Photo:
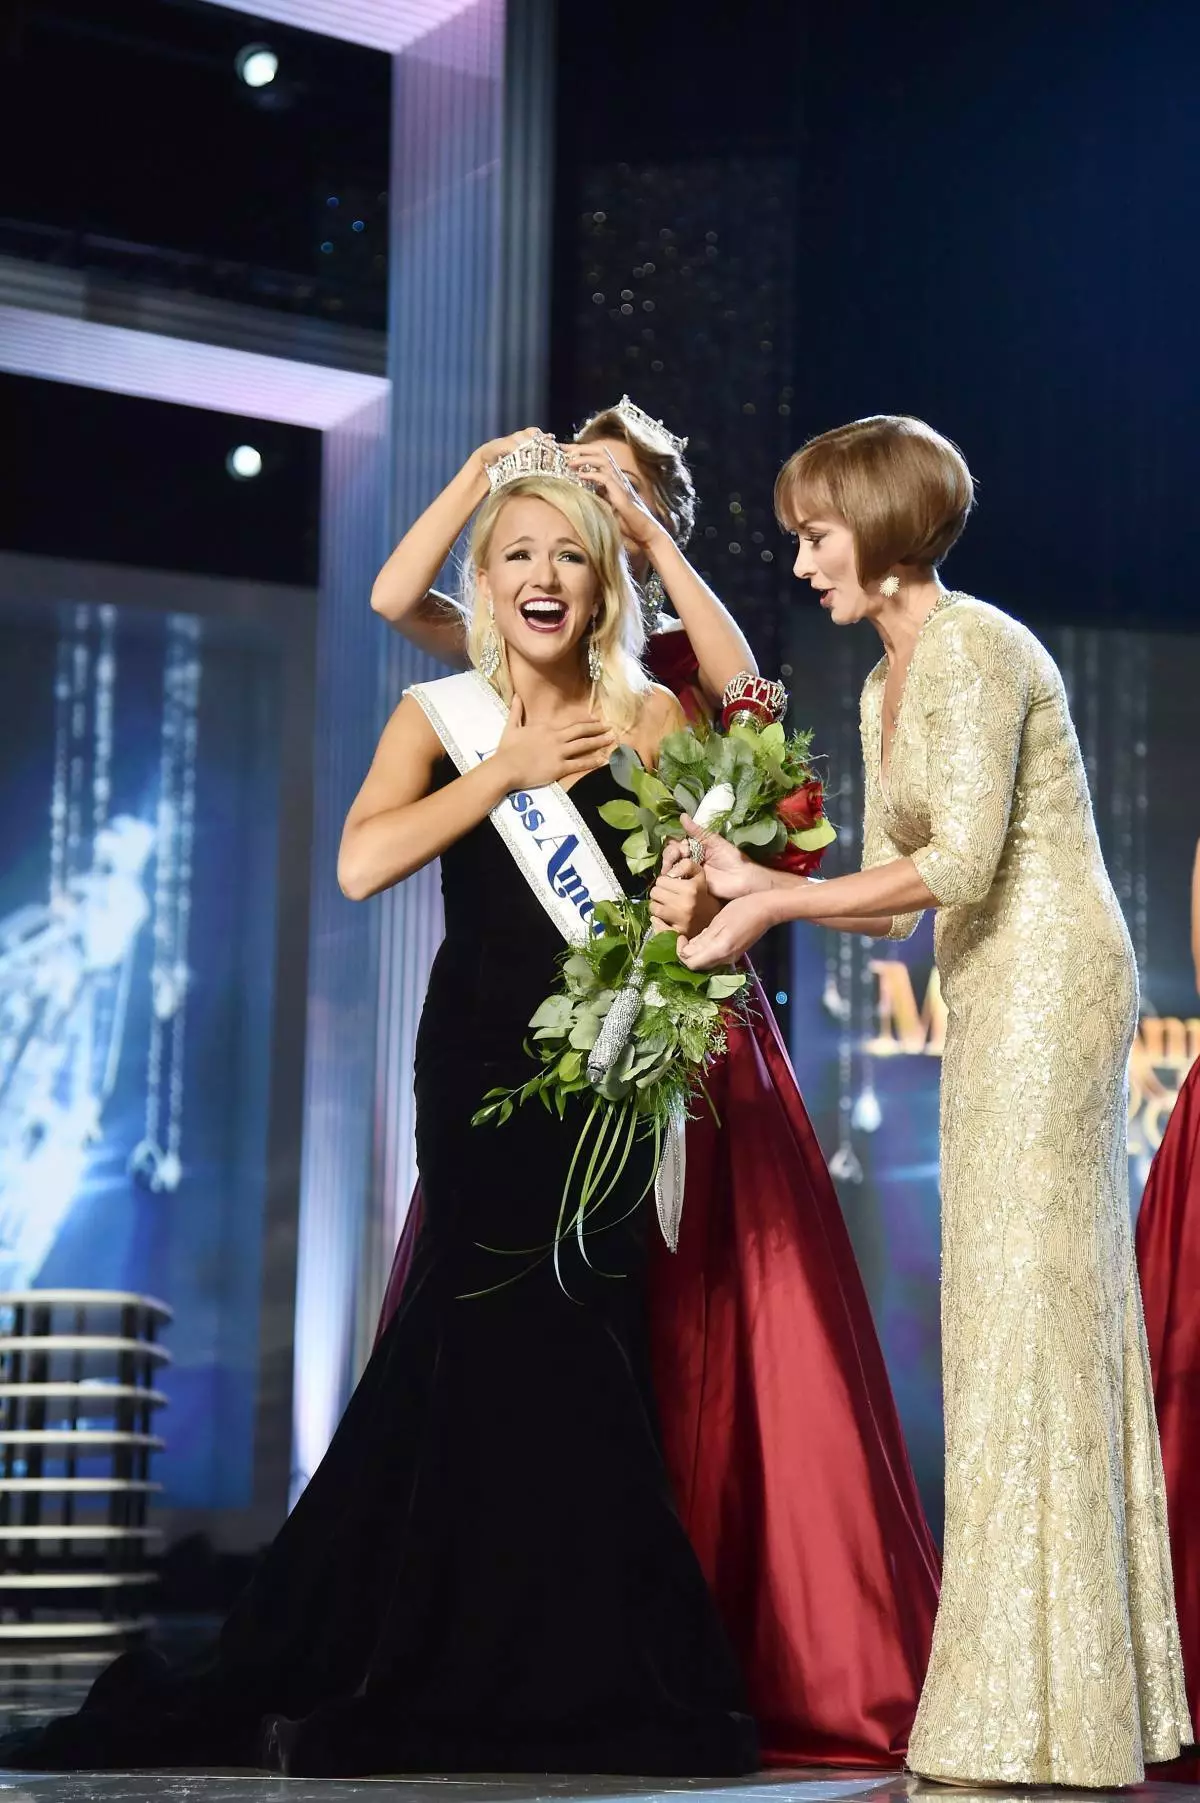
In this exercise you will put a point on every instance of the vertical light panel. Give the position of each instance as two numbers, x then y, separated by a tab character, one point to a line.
343	940
447	99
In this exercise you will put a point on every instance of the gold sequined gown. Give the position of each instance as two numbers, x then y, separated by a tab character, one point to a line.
1056	1652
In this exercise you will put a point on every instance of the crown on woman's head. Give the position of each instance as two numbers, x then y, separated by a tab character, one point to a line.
538	456
643	422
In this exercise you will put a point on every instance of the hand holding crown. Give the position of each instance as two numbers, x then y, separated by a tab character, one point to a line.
597	468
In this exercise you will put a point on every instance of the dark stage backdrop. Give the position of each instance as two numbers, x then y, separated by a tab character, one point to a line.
146	1091
867	1021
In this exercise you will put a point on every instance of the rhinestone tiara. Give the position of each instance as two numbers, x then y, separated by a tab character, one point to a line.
641	421
532	457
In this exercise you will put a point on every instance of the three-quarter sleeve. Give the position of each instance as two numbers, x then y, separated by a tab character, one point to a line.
975	697
878	847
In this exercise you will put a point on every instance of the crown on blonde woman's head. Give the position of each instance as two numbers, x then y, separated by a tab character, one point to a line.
647	425
532	457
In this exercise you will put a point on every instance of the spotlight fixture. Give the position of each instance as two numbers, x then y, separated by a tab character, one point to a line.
257	64
244	462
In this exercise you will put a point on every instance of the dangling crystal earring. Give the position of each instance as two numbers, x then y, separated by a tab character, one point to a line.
890	586
488	661
595	661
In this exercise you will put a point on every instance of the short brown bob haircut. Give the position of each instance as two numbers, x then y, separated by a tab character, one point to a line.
672	491
903	490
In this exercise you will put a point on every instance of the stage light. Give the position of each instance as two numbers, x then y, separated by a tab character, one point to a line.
244	463
258	65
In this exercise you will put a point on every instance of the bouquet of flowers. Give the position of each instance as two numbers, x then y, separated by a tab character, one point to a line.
678	1024
753	784
630	1024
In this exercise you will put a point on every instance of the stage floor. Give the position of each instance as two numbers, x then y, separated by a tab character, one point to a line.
29	1695
250	1787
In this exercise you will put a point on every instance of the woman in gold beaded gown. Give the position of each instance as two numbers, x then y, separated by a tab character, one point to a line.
1056	1652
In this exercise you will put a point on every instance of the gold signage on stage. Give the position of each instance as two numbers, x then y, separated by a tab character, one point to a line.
903	1026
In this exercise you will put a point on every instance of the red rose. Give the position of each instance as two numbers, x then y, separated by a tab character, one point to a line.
803	807
797	862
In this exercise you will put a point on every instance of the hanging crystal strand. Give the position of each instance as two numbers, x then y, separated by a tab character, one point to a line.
62	760
157	1158
189	701
844	1165
102	741
110	997
78	755
842	802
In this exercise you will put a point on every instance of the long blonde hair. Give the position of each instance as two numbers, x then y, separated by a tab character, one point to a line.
617	632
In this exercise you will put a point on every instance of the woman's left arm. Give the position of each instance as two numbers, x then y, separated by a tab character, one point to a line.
719	643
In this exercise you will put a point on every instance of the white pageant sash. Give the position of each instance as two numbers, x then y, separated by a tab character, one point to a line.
554	850
543	829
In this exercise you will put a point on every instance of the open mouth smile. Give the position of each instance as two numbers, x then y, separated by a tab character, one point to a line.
543	614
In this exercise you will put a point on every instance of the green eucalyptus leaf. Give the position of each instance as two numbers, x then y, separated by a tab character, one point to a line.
614	962
757	832
584	1033
720	987
682	749
662	949
683	978
625	765
656	1072
554	1014
814	838
578	974
624	815
651	791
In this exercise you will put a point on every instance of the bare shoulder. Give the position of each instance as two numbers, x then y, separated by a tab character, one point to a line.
661	715
409	730
402	769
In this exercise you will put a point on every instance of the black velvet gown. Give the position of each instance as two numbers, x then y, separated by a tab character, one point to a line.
487	1571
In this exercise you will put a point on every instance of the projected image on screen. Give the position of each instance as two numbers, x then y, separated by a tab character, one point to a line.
868	1021
137	904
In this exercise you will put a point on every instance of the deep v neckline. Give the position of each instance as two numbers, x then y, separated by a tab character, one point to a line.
940	605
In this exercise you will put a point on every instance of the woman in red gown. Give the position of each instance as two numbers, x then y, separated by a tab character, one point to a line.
777	1416
1168	1255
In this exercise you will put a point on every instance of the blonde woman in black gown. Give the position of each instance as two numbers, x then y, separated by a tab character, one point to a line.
487	1571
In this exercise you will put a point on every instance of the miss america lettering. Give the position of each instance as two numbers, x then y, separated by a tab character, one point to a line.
543	829
561	873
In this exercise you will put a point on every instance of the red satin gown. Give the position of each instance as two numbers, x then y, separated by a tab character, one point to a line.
780	1430
1168	1255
